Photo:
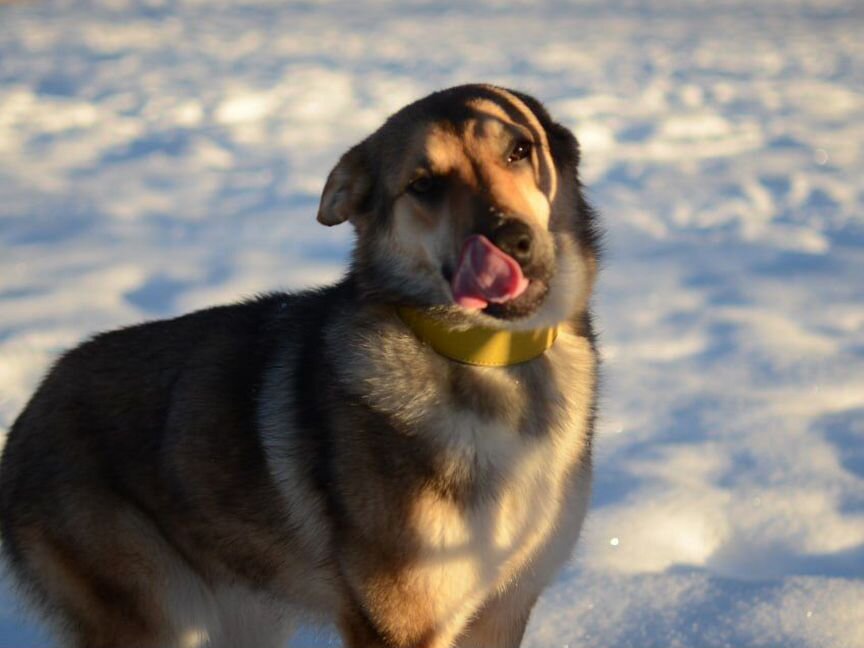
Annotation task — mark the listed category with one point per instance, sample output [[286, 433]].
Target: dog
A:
[[405, 454]]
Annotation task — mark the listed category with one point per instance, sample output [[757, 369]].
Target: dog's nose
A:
[[516, 239]]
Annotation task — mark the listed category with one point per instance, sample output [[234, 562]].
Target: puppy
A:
[[406, 453]]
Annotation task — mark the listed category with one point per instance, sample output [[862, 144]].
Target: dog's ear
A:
[[347, 190]]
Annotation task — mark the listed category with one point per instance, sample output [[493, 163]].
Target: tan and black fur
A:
[[205, 480]]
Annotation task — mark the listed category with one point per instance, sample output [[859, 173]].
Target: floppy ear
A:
[[347, 189]]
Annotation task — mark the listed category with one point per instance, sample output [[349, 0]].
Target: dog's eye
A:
[[521, 151], [426, 187], [421, 185]]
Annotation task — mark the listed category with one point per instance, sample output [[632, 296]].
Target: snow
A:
[[157, 157]]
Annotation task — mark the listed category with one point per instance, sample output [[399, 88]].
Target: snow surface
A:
[[157, 157]]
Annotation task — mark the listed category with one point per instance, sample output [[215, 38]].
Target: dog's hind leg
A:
[[107, 578]]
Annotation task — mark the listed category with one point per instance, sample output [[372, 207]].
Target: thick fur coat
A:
[[207, 480]]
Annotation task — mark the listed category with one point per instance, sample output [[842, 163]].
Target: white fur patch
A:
[[533, 518]]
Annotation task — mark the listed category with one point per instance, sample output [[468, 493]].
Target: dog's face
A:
[[469, 201]]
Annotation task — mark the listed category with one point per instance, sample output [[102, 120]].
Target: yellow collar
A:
[[479, 346]]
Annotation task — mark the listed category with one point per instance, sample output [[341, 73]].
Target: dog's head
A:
[[469, 201]]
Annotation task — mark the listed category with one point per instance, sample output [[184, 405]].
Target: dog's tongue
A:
[[486, 274]]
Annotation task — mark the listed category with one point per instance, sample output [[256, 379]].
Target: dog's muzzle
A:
[[515, 238]]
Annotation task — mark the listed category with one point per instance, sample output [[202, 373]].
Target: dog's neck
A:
[[480, 346]]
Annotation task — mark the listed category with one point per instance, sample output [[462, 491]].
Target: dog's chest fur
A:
[[496, 477], [469, 548]]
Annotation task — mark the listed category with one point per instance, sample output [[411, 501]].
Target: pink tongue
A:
[[486, 274]]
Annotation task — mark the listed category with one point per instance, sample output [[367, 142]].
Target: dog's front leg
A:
[[357, 632], [501, 621]]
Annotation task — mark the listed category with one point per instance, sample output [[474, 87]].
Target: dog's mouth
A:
[[488, 279], [485, 274]]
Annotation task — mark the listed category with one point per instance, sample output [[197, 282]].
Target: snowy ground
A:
[[157, 157]]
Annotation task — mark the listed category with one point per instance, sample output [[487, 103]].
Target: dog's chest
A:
[[502, 467], [521, 497]]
